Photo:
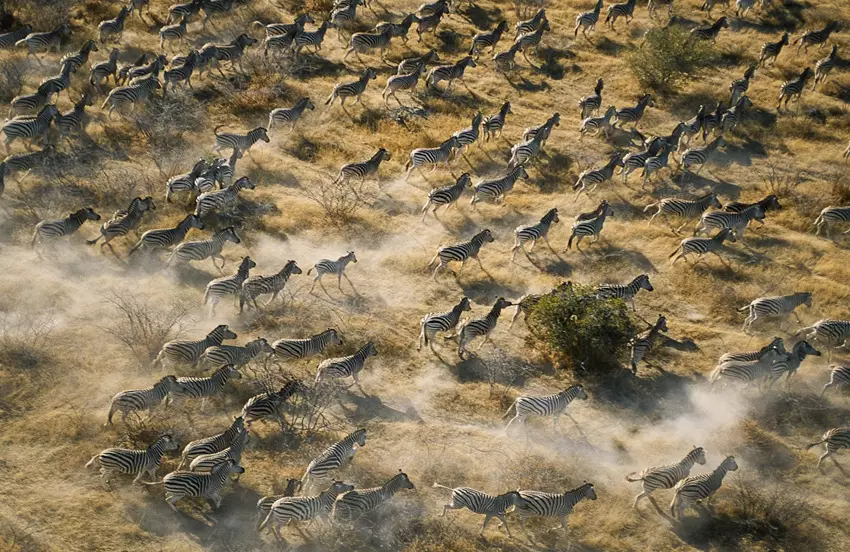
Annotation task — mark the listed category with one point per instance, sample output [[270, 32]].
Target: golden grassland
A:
[[437, 418]]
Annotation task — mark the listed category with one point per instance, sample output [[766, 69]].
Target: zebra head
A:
[[713, 201], [464, 181], [803, 349], [784, 40], [721, 23], [486, 235], [515, 499], [230, 466], [89, 46], [290, 388], [230, 234], [224, 331], [337, 488], [369, 74], [263, 135], [605, 209], [643, 281], [464, 304], [647, 100], [244, 40], [238, 423], [195, 221], [147, 204], [587, 491], [551, 216], [231, 372], [770, 202], [661, 323], [729, 464], [291, 268], [307, 103], [502, 303], [545, 26], [698, 454], [113, 55], [335, 338], [600, 84], [805, 297], [88, 214], [246, 264], [384, 155], [360, 437], [168, 382], [476, 121], [466, 62], [726, 234], [167, 442], [370, 350], [520, 171], [350, 257], [610, 112], [406, 483], [261, 344]]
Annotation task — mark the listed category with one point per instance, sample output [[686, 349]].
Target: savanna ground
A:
[[63, 351]]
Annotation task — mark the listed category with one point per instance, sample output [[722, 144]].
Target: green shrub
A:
[[668, 57], [577, 328]]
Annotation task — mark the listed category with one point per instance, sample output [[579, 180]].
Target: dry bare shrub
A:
[[770, 512], [165, 121], [340, 201], [24, 336], [11, 80]]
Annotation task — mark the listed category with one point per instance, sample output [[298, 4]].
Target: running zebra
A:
[[482, 503], [506, 61], [793, 89], [9, 40], [241, 142], [548, 405], [178, 11], [469, 136], [75, 119], [357, 503], [431, 156], [219, 356], [181, 484], [739, 87], [710, 32], [29, 128], [824, 66], [534, 232], [597, 124], [525, 152], [255, 286], [233, 52], [363, 169], [478, 327], [595, 177], [185, 182], [683, 208], [135, 400], [633, 114], [816, 38], [360, 43], [839, 377], [59, 228], [831, 215], [768, 203], [653, 4], [303, 508], [343, 16], [295, 349], [543, 130], [626, 292], [625, 10], [275, 29], [643, 344], [777, 343], [269, 405], [552, 505], [315, 38], [429, 23], [167, 237], [129, 461], [111, 28], [833, 333], [833, 440], [333, 458], [461, 252], [35, 42], [494, 124], [771, 50], [496, 188], [699, 487], [123, 222], [590, 227], [708, 5], [747, 371], [57, 83], [412, 64], [700, 155], [665, 477], [280, 43], [790, 362], [290, 115], [532, 40], [527, 302], [738, 222], [136, 92], [654, 165], [433, 323], [586, 21], [227, 285], [25, 103], [202, 388], [18, 162], [189, 352], [703, 246], [591, 104], [203, 249], [488, 39], [211, 445], [354, 89], [264, 505], [405, 81], [173, 32], [80, 57], [781, 305], [222, 201], [343, 367], [449, 73], [733, 114], [181, 73], [137, 70], [337, 267], [530, 25], [209, 462]]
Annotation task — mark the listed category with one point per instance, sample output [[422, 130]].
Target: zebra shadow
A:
[[482, 19], [543, 262], [491, 364], [485, 292], [702, 528], [651, 390], [371, 407], [525, 85]]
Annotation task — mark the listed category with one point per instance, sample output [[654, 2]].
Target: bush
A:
[[668, 57], [768, 512], [577, 328]]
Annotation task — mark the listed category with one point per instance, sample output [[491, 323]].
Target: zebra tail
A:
[[34, 239], [638, 478], [215, 130], [650, 206], [714, 375], [91, 463], [438, 486], [818, 220], [742, 309], [206, 295], [570, 241], [105, 102], [801, 330], [265, 521], [674, 252], [152, 483], [407, 165], [94, 241], [511, 407], [330, 98], [815, 444], [21, 42], [310, 270]]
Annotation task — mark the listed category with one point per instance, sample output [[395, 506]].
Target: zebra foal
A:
[[700, 487], [333, 458], [478, 327], [433, 323], [446, 195], [130, 461], [781, 305], [302, 508], [255, 286], [181, 484], [561, 505], [665, 477], [460, 252], [337, 267], [60, 228], [294, 349], [135, 400], [348, 366], [548, 405], [534, 232], [203, 249], [482, 503]]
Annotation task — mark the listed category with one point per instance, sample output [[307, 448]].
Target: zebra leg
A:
[[837, 465], [170, 499], [486, 339], [638, 497]]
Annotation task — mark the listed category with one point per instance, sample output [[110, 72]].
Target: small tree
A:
[[668, 57]]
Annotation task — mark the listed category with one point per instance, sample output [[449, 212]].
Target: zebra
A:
[[29, 128], [449, 73], [294, 349], [337, 267], [733, 114], [202, 388], [534, 232], [488, 39], [79, 58], [548, 405], [824, 66], [281, 42], [793, 89], [354, 89], [433, 323], [505, 61], [544, 130], [642, 344], [265, 405], [264, 505], [633, 114], [343, 367], [186, 181], [790, 362], [703, 246], [542, 504], [123, 73], [655, 164], [711, 121], [665, 477], [710, 32], [591, 104], [289, 115], [708, 5], [412, 64], [342, 17], [123, 222], [431, 156], [833, 333], [212, 7], [255, 286], [781, 305], [364, 42], [739, 87], [74, 119], [406, 81], [189, 352], [179, 11], [432, 7], [134, 93], [532, 40], [181, 73], [595, 177], [525, 152], [496, 188], [363, 169], [527, 302], [140, 5], [748, 371], [816, 38], [597, 124], [697, 488], [167, 237], [219, 356], [208, 462], [831, 215], [181, 484], [57, 83], [9, 40], [277, 29], [310, 38], [225, 171], [683, 208], [129, 461], [173, 32], [461, 252], [839, 376], [470, 135], [530, 25], [586, 21], [135, 400], [771, 50], [32, 102], [227, 285], [653, 4], [357, 503], [482, 503], [213, 444], [200, 250], [722, 219], [692, 126], [59, 228], [303, 508], [700, 155], [777, 343], [25, 162], [45, 41], [494, 124], [110, 28], [833, 440], [625, 10], [333, 458], [478, 327], [223, 201], [241, 142], [626, 292], [430, 22], [137, 70], [233, 51], [590, 227], [742, 7], [768, 203]]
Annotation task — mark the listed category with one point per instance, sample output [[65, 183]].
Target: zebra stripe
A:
[[449, 73], [833, 333], [264, 505], [137, 91], [833, 440], [548, 405], [168, 237], [529, 25], [625, 10], [824, 66], [213, 444], [594, 177], [137, 70], [25, 103], [482, 503], [214, 7], [275, 29], [488, 39], [357, 503], [704, 246], [831, 215], [173, 32], [182, 484], [496, 188], [430, 22], [733, 114], [209, 462], [79, 58], [110, 28], [255, 286], [200, 250], [710, 32], [543, 130], [431, 156], [534, 232], [363, 169], [181, 73], [506, 61], [781, 305], [553, 505], [227, 285], [337, 267], [29, 128], [478, 327], [179, 11], [683, 208], [52, 229], [348, 366], [777, 343], [461, 252], [354, 89], [633, 114], [222, 201], [266, 405], [188, 351], [124, 221], [590, 226], [642, 344], [309, 38], [75, 119], [739, 87], [586, 21], [219, 356], [771, 50], [470, 135], [433, 323], [334, 457], [665, 477], [129, 461], [241, 142], [232, 52], [768, 203], [839, 377], [361, 43], [597, 124], [790, 362], [722, 219], [405, 81], [625, 292], [303, 508], [294, 349], [591, 104], [412, 64], [25, 162], [699, 487], [527, 302], [9, 40], [526, 152], [202, 388], [532, 40], [494, 124], [184, 182], [45, 41], [289, 115], [134, 400], [816, 38], [793, 89], [746, 371]]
